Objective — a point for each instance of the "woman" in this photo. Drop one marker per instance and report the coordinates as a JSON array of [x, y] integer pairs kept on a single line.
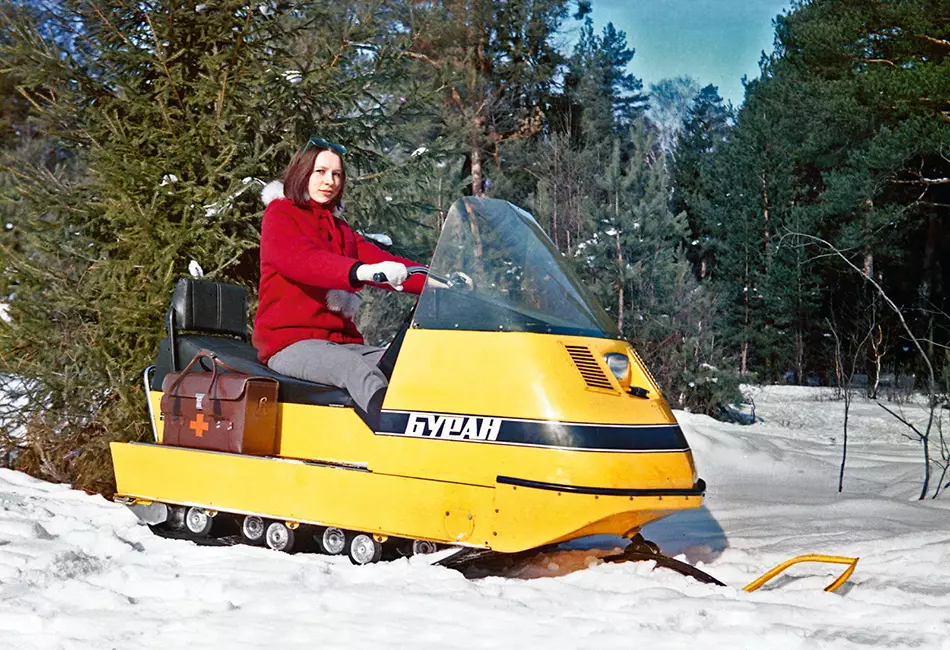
[[312, 265]]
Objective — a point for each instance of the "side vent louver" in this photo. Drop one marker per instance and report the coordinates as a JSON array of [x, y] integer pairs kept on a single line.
[[590, 370], [645, 368]]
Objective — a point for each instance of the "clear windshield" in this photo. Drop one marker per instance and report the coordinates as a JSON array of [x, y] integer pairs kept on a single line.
[[522, 283]]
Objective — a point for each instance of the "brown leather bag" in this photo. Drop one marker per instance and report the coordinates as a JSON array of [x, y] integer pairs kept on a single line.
[[222, 411]]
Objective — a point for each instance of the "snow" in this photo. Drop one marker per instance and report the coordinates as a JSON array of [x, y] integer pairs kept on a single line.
[[218, 207], [378, 237], [78, 572], [293, 76], [5, 313]]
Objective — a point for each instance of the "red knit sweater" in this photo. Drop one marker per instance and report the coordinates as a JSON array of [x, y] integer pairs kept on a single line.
[[305, 254]]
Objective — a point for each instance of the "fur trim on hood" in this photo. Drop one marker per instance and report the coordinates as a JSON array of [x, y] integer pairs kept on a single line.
[[342, 302], [275, 190], [271, 191]]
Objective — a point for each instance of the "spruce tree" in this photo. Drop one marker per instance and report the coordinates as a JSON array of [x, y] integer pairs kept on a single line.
[[172, 115], [706, 128]]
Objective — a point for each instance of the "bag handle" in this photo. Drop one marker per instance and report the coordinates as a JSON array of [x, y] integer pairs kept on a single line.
[[215, 362]]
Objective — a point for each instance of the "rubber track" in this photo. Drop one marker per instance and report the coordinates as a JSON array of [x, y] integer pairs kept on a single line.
[[222, 540], [482, 561]]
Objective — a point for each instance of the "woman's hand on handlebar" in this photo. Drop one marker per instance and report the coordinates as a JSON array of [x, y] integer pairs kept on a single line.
[[392, 273]]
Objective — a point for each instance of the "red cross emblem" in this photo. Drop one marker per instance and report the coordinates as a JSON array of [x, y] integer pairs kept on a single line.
[[199, 425]]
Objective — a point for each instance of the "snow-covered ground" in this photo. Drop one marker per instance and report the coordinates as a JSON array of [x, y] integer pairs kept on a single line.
[[77, 571]]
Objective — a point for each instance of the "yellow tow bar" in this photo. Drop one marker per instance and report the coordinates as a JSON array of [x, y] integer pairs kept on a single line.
[[640, 550], [852, 563]]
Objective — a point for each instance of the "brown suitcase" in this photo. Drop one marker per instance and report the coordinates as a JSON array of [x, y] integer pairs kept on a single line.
[[221, 411]]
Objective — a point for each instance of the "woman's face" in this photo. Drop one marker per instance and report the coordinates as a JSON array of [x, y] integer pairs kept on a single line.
[[326, 179]]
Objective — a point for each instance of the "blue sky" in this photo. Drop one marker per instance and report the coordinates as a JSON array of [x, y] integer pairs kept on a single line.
[[713, 41]]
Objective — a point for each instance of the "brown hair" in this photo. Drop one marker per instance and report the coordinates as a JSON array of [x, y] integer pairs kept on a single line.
[[297, 177]]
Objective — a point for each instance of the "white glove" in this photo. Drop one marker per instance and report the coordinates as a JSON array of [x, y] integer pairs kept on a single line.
[[395, 273]]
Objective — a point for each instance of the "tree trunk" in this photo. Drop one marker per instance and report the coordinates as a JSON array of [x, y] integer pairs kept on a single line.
[[554, 195], [619, 285], [765, 215], [744, 359], [928, 277], [799, 356], [927, 270], [478, 182]]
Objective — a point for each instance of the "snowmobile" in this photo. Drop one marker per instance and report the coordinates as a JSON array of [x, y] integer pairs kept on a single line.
[[516, 418]]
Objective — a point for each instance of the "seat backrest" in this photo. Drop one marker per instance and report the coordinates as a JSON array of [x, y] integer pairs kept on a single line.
[[208, 306]]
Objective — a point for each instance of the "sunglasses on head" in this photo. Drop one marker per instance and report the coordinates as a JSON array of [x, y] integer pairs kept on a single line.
[[320, 143]]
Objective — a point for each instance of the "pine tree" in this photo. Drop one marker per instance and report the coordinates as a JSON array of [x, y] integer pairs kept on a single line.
[[842, 136], [636, 266], [610, 98], [495, 62]]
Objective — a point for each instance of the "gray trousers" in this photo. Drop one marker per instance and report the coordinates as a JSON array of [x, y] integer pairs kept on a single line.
[[348, 365]]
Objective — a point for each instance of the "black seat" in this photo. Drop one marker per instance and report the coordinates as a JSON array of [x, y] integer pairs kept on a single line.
[[242, 356], [206, 315]]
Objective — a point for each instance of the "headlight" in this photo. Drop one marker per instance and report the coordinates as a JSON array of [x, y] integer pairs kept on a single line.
[[618, 363]]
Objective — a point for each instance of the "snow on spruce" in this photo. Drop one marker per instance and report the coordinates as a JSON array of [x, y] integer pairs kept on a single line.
[[78, 572]]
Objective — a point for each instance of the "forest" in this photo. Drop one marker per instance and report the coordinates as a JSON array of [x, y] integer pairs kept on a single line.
[[799, 237]]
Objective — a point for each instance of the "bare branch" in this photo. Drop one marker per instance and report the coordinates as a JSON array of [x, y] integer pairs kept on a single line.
[[421, 57], [904, 421], [931, 39], [888, 62], [885, 297]]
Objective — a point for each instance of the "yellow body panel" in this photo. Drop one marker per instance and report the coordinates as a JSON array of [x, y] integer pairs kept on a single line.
[[440, 489], [339, 435], [516, 375], [504, 518], [527, 518], [297, 491]]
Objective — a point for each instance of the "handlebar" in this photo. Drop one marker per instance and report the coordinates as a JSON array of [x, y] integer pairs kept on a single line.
[[380, 278]]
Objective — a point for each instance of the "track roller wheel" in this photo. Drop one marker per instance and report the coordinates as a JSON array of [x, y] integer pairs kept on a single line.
[[198, 522], [279, 537], [423, 547], [331, 541], [252, 529], [363, 549], [176, 518]]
